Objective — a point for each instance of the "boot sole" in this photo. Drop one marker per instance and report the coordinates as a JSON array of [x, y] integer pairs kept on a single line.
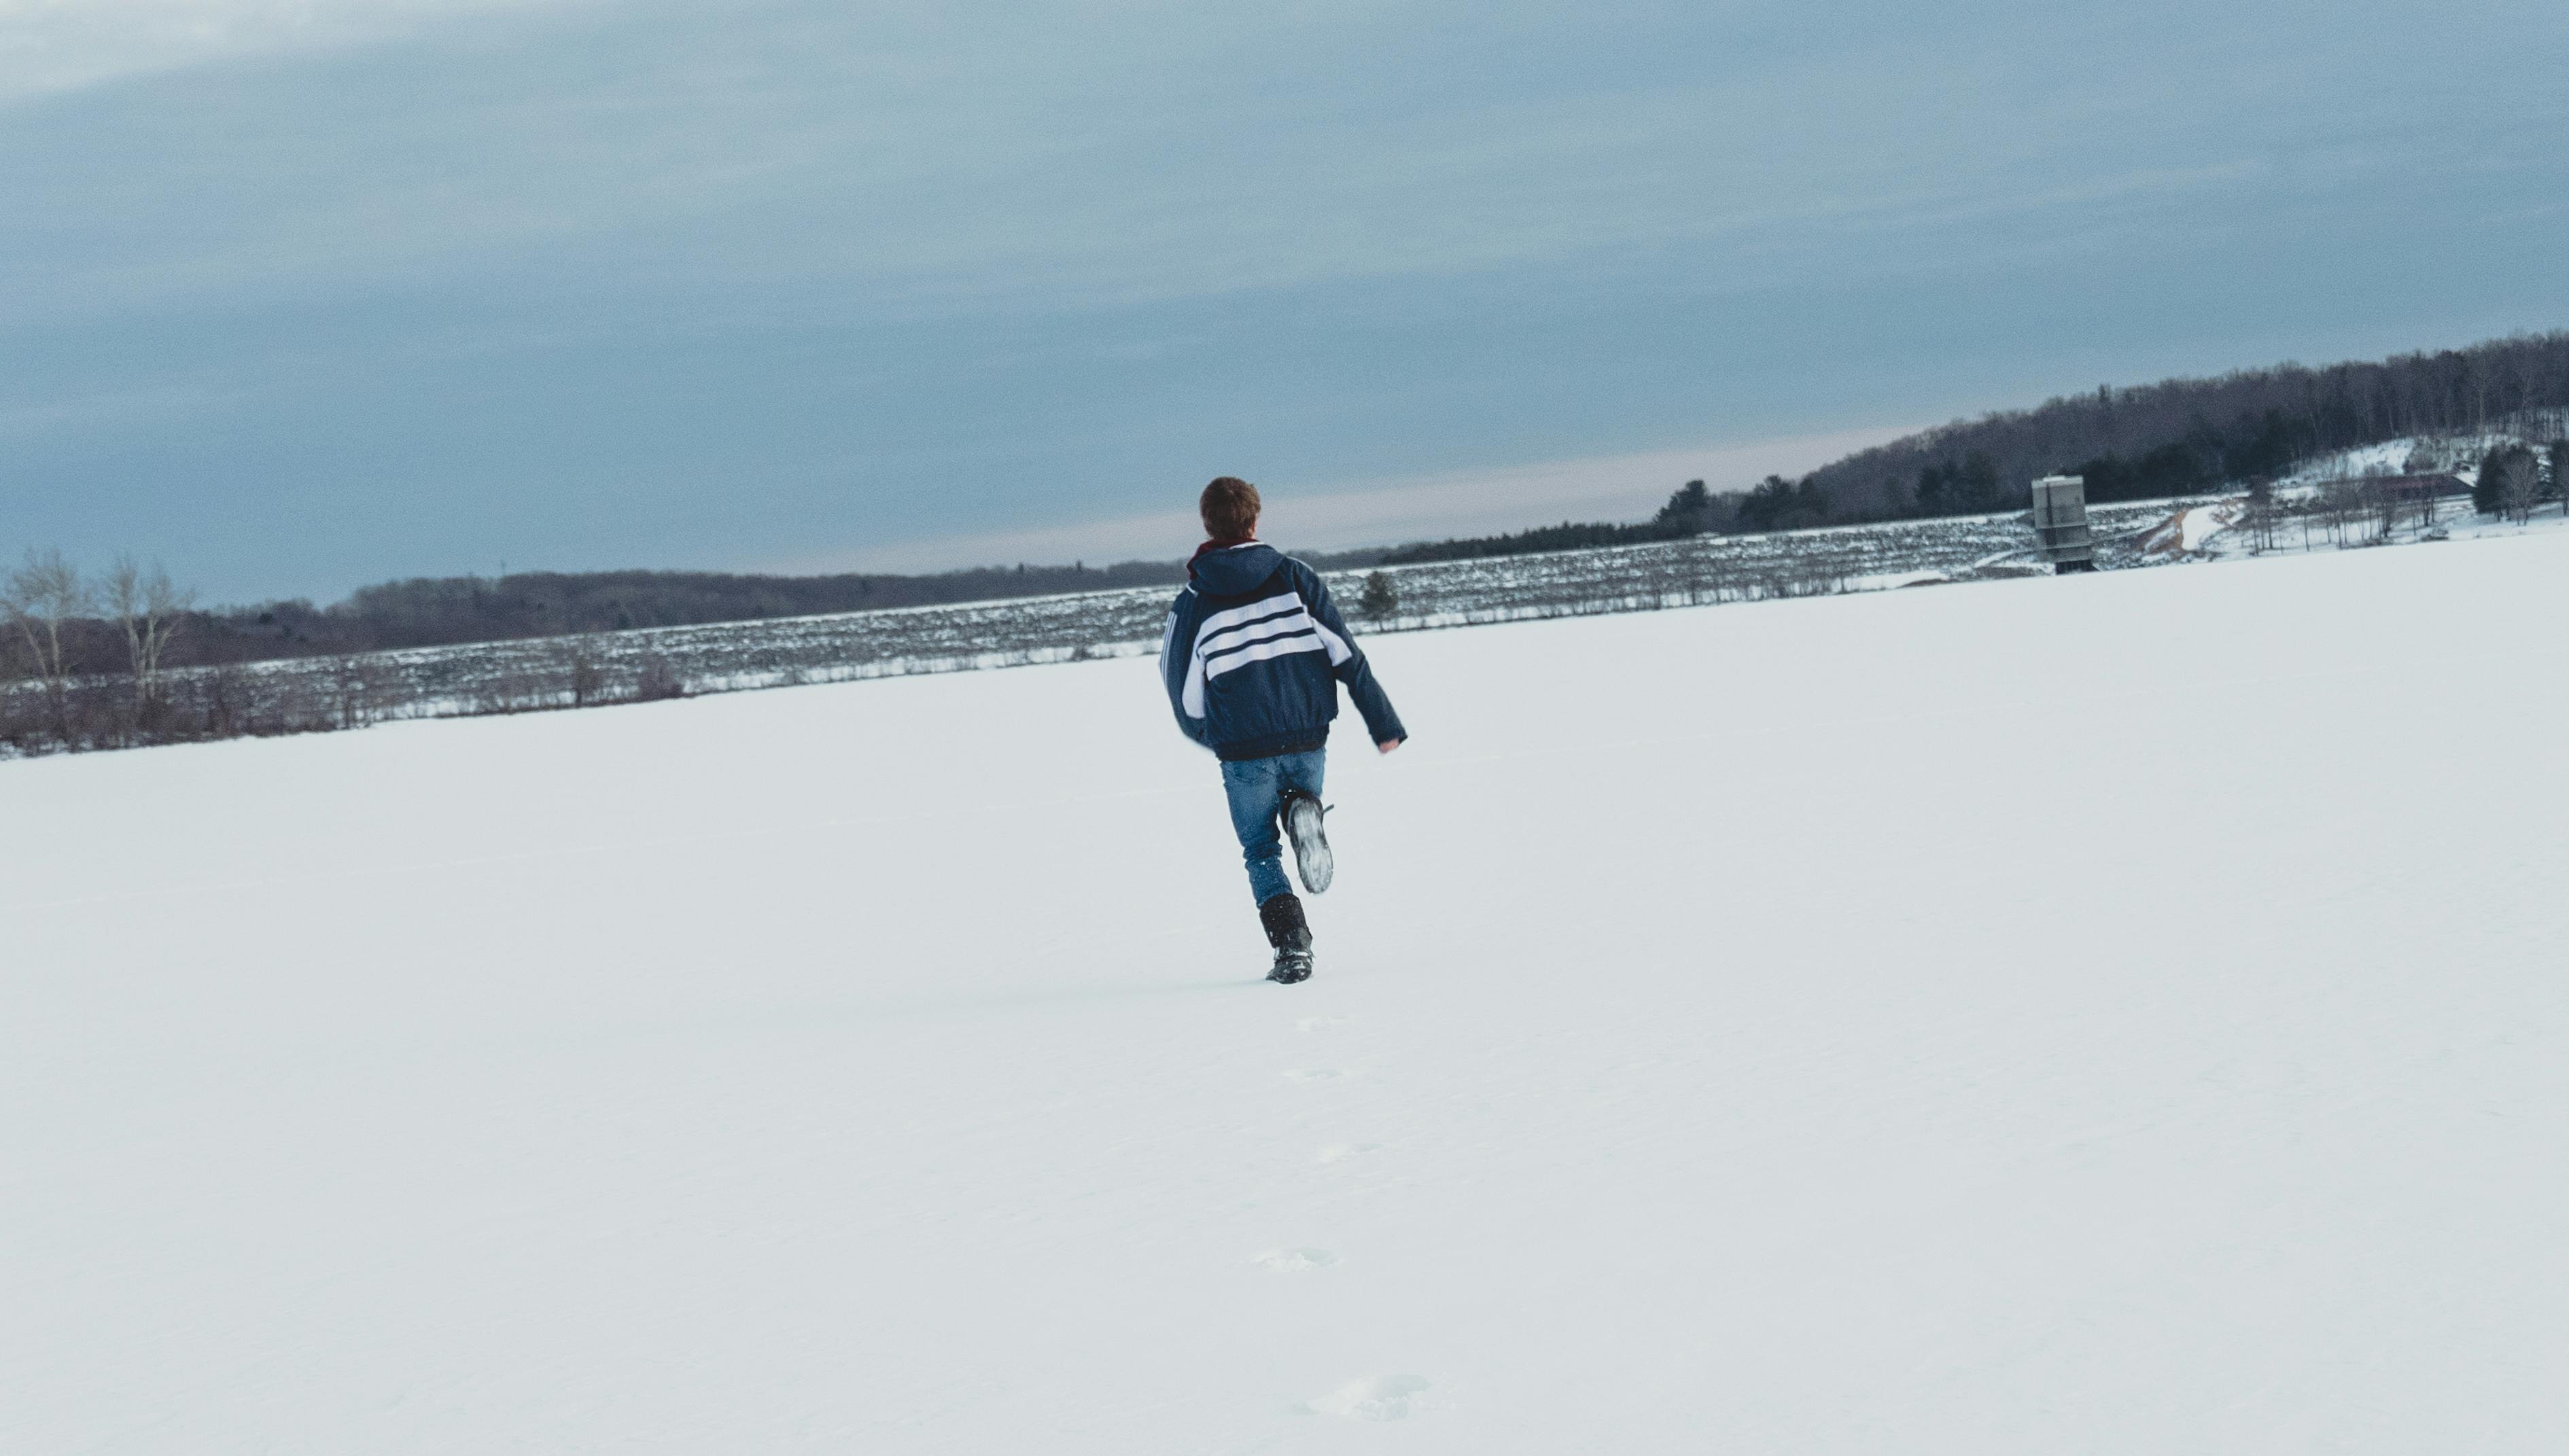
[[1311, 857]]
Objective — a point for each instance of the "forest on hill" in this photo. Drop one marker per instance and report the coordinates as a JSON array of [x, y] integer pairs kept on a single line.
[[2178, 435], [2145, 441]]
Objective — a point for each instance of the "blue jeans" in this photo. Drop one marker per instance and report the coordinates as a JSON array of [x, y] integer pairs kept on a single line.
[[1257, 789]]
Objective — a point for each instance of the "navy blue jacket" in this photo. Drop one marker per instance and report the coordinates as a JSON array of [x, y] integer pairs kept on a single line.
[[1255, 654]]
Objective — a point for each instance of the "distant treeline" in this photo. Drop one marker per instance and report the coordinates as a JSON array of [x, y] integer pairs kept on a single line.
[[452, 611], [441, 611], [2178, 437], [1774, 504], [444, 611]]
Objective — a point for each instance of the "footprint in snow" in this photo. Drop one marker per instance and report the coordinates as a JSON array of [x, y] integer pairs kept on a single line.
[[1319, 1074], [1294, 1261], [1373, 1398], [1315, 1023], [1341, 1152]]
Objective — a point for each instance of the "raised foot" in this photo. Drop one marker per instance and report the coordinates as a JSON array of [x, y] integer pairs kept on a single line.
[[1309, 837]]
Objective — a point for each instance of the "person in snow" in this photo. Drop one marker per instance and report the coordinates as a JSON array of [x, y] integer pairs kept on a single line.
[[1252, 659]]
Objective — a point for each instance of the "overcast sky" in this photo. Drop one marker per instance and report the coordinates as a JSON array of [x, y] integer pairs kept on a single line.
[[298, 294]]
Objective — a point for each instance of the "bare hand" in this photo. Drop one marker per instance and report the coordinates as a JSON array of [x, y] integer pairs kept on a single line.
[[1389, 744]]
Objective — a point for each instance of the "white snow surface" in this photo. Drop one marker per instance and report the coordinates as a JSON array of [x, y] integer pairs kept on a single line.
[[2189, 530], [2385, 458], [2118, 1013]]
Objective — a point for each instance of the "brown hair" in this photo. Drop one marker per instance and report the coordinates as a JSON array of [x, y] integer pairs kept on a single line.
[[1230, 508]]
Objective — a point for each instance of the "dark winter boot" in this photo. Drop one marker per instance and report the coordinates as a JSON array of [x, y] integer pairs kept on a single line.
[[1292, 938], [1311, 859]]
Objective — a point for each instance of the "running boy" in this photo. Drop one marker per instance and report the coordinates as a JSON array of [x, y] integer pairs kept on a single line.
[[1252, 659]]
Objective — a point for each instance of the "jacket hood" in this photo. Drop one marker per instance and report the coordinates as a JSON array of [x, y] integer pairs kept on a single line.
[[1233, 571]]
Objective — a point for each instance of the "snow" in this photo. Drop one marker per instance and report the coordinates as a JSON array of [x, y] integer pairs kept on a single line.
[[2457, 454], [1894, 580], [1942, 1021], [2387, 457], [2189, 530], [2202, 521]]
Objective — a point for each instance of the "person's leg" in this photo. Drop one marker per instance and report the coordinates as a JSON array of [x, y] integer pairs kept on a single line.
[[1303, 771], [1253, 786], [1300, 794]]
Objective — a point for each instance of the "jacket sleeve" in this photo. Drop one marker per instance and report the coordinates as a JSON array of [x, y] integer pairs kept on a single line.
[[1347, 662], [1177, 663]]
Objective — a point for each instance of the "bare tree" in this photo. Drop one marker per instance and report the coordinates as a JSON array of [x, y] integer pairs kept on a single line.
[[2388, 506], [583, 668], [2260, 515], [349, 686], [2340, 504], [1380, 598], [41, 597], [225, 697], [2516, 482], [656, 677], [148, 609]]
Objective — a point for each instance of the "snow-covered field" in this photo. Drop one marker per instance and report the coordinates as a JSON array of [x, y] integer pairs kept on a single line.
[[2119, 1013]]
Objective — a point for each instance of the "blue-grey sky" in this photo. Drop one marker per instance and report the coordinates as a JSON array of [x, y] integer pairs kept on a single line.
[[297, 294]]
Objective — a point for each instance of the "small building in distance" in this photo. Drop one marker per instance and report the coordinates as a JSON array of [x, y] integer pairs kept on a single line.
[[2059, 518], [2398, 499], [2425, 488]]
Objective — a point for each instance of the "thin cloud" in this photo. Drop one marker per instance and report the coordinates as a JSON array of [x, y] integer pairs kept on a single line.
[[929, 167], [1339, 516], [52, 46]]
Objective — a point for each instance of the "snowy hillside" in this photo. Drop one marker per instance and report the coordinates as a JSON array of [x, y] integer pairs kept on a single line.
[[2119, 1013]]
